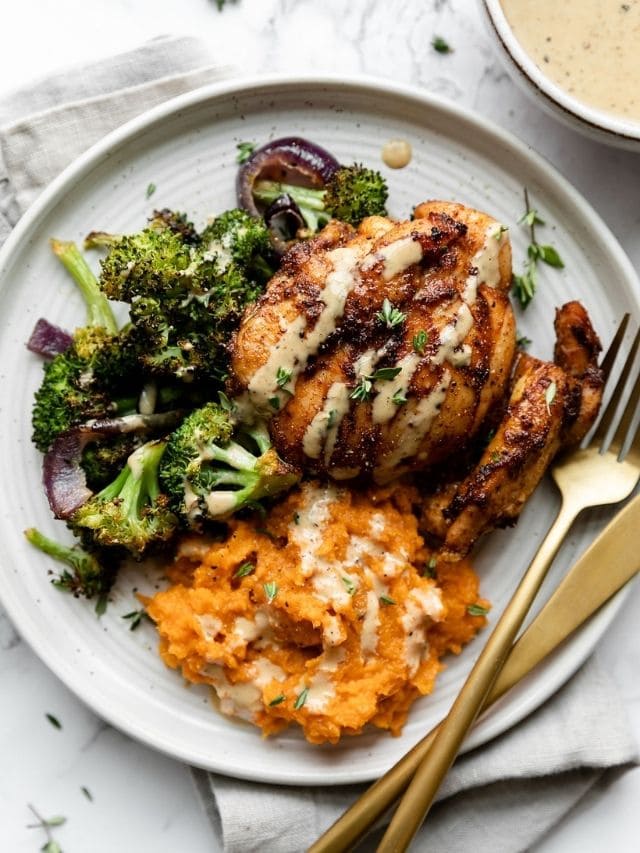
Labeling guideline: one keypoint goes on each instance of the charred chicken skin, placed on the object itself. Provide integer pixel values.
(391, 349)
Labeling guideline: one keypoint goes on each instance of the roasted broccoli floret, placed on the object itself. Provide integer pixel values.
(91, 574)
(187, 293)
(353, 193)
(237, 237)
(208, 472)
(79, 383)
(149, 263)
(131, 512)
(102, 461)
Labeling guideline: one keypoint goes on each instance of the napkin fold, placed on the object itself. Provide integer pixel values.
(502, 797)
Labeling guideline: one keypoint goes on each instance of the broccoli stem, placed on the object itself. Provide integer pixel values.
(137, 484)
(99, 311)
(232, 454)
(309, 201)
(88, 576)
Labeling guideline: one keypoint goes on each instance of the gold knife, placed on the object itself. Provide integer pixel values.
(606, 566)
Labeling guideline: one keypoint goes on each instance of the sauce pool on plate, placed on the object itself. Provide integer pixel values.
(396, 153)
(591, 48)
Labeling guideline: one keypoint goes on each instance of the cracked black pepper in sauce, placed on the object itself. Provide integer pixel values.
(588, 47)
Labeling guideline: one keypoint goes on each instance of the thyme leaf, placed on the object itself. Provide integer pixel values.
(245, 149)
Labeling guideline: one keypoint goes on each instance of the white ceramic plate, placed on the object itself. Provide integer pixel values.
(187, 148)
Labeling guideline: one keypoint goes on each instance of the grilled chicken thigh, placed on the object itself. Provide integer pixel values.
(391, 348)
(382, 350)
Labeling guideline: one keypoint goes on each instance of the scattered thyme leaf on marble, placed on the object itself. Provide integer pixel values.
(440, 45)
(46, 825)
(87, 793)
(151, 188)
(55, 722)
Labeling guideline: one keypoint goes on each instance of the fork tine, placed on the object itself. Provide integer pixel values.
(614, 348)
(609, 413)
(627, 418)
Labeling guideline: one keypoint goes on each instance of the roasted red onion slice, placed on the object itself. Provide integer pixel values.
(283, 220)
(48, 340)
(64, 480)
(291, 160)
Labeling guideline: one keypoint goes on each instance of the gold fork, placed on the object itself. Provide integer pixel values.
(594, 475)
(351, 827)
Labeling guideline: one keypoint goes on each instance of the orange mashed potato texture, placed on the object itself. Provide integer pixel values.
(323, 613)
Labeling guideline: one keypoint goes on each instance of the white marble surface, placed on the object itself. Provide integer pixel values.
(143, 801)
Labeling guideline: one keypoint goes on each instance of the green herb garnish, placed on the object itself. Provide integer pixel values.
(550, 395)
(245, 150)
(398, 398)
(331, 419)
(302, 698)
(276, 700)
(136, 617)
(385, 599)
(440, 45)
(47, 824)
(477, 610)
(420, 340)
(522, 341)
(282, 377)
(244, 570)
(430, 568)
(385, 374)
(524, 286)
(349, 585)
(270, 590)
(150, 190)
(390, 316)
(362, 391)
(87, 793)
(55, 722)
(274, 402)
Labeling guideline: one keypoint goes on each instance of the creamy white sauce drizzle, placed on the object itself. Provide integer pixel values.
(242, 700)
(323, 429)
(220, 503)
(294, 348)
(413, 423)
(384, 409)
(396, 257)
(264, 671)
(421, 606)
(370, 624)
(210, 626)
(320, 691)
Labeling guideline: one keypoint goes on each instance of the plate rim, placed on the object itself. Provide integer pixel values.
(83, 164)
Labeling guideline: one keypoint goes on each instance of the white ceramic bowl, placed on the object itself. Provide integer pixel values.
(594, 123)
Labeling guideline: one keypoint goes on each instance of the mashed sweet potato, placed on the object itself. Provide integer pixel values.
(322, 614)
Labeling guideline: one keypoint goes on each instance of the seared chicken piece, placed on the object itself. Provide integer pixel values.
(382, 350)
(391, 349)
(551, 406)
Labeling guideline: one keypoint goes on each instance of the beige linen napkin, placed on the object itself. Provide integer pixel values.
(500, 798)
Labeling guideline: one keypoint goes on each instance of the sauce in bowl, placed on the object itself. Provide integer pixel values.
(591, 48)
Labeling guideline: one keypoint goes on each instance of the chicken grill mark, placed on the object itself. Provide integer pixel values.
(354, 392)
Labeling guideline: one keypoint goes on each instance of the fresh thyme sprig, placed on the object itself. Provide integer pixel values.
(46, 825)
(524, 286)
